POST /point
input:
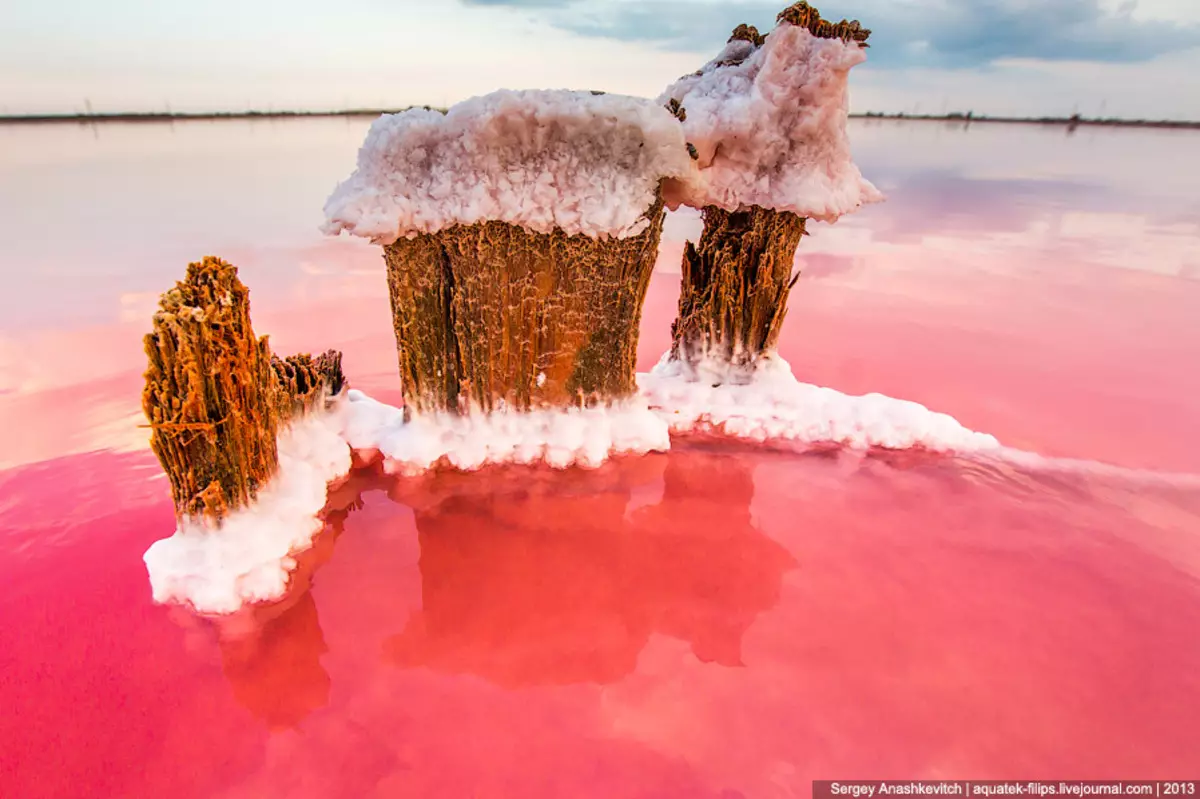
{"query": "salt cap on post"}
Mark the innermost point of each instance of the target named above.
(582, 162)
(767, 118)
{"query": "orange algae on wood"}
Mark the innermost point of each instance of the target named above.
(215, 397)
(493, 315)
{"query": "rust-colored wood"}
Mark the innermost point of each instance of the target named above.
(302, 382)
(492, 315)
(215, 397)
(805, 16)
(735, 284)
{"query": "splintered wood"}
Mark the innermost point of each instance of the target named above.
(491, 315)
(803, 15)
(735, 284)
(215, 397)
(303, 382)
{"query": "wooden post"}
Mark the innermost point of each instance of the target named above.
(216, 398)
(492, 315)
(735, 286)
(736, 280)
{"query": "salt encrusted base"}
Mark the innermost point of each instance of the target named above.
(249, 557)
(560, 438)
(770, 404)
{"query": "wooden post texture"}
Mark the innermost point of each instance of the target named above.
(216, 398)
(492, 315)
(735, 284)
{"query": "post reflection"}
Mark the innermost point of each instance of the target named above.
(277, 674)
(271, 654)
(560, 585)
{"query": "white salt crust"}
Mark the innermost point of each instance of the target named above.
(770, 127)
(772, 405)
(581, 162)
(559, 438)
(249, 557)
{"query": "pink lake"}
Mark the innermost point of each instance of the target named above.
(723, 620)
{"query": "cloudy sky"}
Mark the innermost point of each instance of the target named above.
(1131, 58)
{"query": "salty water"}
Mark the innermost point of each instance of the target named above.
(723, 620)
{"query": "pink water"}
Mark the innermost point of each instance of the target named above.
(720, 621)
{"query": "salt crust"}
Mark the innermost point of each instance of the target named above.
(769, 125)
(582, 162)
(771, 404)
(249, 557)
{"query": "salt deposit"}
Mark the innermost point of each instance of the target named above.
(770, 404)
(249, 557)
(769, 125)
(582, 162)
(559, 437)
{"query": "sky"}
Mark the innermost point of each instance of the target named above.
(1124, 58)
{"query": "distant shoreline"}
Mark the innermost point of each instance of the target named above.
(167, 116)
(1069, 122)
(184, 116)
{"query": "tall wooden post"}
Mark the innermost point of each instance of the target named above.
(493, 315)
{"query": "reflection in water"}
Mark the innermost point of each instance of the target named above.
(271, 654)
(277, 675)
(950, 619)
(540, 587)
(532, 576)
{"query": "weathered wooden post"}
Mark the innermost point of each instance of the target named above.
(216, 398)
(520, 230)
(767, 117)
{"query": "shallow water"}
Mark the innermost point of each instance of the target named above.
(722, 620)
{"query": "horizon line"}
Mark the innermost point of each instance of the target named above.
(172, 116)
